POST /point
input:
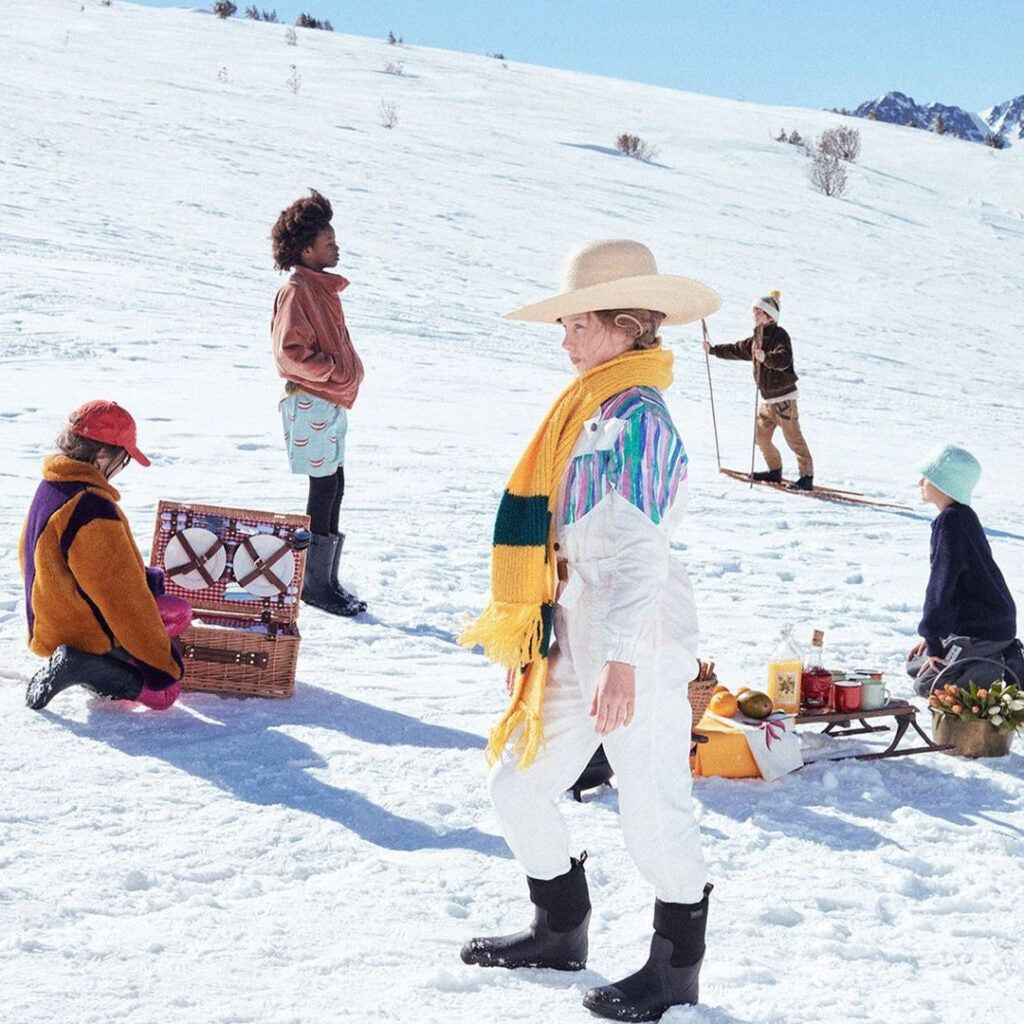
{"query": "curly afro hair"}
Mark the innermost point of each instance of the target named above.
(297, 227)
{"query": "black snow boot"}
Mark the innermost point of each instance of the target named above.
(805, 483)
(338, 588)
(557, 939)
(768, 476)
(317, 587)
(101, 673)
(672, 972)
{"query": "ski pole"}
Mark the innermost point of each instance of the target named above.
(711, 391)
(754, 349)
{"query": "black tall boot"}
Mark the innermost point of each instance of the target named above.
(317, 588)
(557, 939)
(671, 975)
(101, 673)
(768, 476)
(338, 588)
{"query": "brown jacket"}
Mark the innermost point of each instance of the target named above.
(85, 581)
(776, 376)
(312, 346)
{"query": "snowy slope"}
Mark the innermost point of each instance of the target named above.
(322, 859)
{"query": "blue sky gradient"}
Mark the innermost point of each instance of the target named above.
(807, 53)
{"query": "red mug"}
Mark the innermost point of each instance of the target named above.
(847, 693)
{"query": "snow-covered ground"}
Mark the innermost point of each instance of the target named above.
(322, 859)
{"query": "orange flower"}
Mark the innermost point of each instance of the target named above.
(957, 708)
(982, 694)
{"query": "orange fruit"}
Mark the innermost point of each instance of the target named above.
(742, 689)
(721, 689)
(724, 704)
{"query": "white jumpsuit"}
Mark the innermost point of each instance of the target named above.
(628, 600)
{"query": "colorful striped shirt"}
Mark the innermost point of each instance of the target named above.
(645, 465)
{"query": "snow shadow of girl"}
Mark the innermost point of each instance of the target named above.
(240, 747)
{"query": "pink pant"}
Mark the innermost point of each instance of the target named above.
(176, 614)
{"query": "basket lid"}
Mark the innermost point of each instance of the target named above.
(232, 560)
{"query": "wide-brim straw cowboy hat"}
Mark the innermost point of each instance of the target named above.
(620, 274)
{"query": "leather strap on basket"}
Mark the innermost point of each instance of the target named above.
(261, 566)
(197, 562)
(197, 653)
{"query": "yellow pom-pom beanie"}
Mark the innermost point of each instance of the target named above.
(770, 304)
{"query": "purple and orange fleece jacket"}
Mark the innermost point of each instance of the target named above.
(85, 580)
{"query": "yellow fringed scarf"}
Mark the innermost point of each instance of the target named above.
(515, 627)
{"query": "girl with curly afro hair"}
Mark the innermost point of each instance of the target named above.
(314, 354)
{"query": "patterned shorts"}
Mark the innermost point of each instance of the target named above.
(314, 434)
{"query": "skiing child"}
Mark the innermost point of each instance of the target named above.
(771, 352)
(968, 610)
(314, 354)
(93, 608)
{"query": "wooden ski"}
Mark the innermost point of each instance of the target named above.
(821, 493)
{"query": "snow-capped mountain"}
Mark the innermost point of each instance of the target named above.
(1005, 120)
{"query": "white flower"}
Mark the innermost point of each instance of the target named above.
(1017, 705)
(997, 719)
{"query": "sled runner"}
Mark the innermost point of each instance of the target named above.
(845, 723)
(241, 570)
(821, 493)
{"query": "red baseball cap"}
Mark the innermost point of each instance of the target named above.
(107, 422)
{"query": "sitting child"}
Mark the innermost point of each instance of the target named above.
(968, 611)
(93, 608)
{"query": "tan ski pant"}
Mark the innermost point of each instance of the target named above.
(784, 415)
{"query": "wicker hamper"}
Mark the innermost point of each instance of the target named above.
(241, 570)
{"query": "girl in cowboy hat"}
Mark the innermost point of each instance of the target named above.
(314, 354)
(93, 608)
(596, 625)
(771, 352)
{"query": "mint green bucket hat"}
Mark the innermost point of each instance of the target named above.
(955, 471)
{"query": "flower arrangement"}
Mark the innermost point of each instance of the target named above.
(1001, 705)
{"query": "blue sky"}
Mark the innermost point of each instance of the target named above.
(809, 53)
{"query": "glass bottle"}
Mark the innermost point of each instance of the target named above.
(784, 672)
(816, 681)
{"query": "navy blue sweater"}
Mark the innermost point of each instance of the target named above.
(967, 595)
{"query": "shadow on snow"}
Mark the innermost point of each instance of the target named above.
(240, 747)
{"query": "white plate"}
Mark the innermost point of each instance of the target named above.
(266, 545)
(202, 541)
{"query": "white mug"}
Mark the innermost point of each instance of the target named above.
(873, 694)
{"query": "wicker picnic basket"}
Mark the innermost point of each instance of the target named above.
(241, 570)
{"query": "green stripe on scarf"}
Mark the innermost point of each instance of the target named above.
(522, 521)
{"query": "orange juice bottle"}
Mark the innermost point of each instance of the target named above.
(784, 671)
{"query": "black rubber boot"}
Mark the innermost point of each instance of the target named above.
(317, 587)
(100, 673)
(768, 476)
(805, 483)
(557, 939)
(338, 588)
(671, 975)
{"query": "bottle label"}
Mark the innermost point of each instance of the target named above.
(786, 686)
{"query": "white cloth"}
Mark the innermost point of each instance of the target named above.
(626, 600)
(790, 396)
